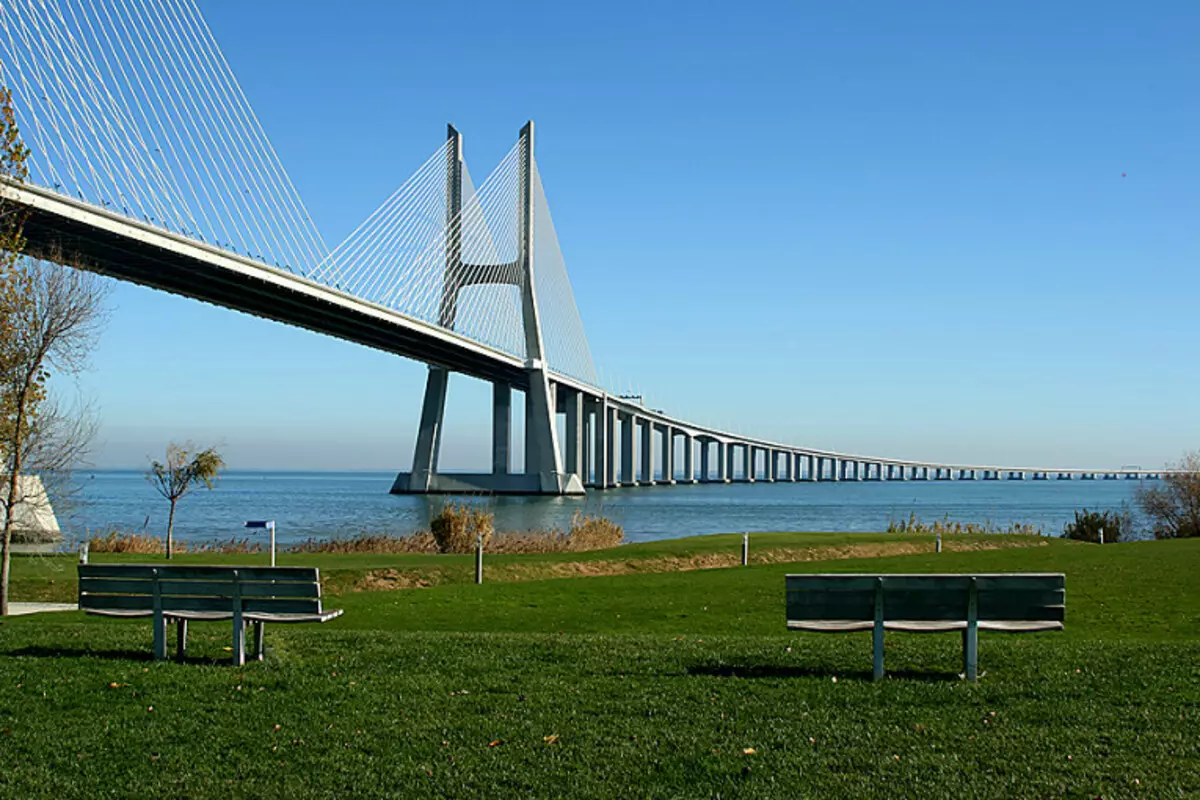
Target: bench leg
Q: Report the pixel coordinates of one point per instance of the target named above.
(971, 652)
(160, 636)
(878, 637)
(239, 640)
(181, 639)
(258, 640)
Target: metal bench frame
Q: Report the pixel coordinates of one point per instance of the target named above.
(179, 594)
(927, 603)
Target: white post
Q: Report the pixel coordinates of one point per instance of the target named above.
(271, 527)
(1102, 536)
(745, 548)
(939, 541)
(83, 552)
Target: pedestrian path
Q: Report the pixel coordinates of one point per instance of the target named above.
(18, 609)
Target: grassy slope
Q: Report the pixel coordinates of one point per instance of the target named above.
(654, 684)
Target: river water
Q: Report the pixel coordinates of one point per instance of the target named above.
(324, 504)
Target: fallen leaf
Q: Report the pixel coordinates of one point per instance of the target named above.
(495, 742)
(551, 739)
(749, 751)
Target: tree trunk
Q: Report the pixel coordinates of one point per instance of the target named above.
(171, 528)
(6, 546)
(5, 560)
(10, 506)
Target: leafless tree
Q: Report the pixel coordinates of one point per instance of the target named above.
(1173, 507)
(50, 318)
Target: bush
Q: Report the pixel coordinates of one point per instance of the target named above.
(589, 532)
(458, 525)
(1088, 525)
(123, 542)
(1173, 507)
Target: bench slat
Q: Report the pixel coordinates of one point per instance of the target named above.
(206, 588)
(198, 572)
(1020, 583)
(826, 583)
(115, 586)
(249, 589)
(266, 605)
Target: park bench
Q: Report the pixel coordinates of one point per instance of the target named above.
(180, 594)
(1012, 602)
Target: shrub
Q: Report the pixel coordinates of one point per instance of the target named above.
(124, 542)
(593, 532)
(1173, 507)
(458, 525)
(1088, 525)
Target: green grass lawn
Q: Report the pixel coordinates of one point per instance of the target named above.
(639, 685)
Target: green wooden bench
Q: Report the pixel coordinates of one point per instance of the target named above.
(1012, 602)
(180, 594)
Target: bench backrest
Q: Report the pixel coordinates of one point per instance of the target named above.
(155, 587)
(1008, 597)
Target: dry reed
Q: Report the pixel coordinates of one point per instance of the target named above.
(944, 527)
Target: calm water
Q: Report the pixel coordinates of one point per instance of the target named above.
(309, 504)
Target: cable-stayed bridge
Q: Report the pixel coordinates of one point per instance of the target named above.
(148, 164)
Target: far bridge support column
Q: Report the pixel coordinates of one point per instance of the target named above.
(689, 456)
(501, 428)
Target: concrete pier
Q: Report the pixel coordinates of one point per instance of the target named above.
(689, 454)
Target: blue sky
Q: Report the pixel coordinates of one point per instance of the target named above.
(899, 229)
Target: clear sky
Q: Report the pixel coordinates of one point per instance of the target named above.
(946, 231)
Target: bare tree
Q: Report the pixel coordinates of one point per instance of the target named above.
(1173, 507)
(183, 470)
(50, 316)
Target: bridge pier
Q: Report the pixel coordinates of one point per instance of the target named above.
(611, 423)
(647, 453)
(689, 455)
(627, 448)
(572, 402)
(668, 458)
(501, 428)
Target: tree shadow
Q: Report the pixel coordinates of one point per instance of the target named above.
(107, 655)
(780, 671)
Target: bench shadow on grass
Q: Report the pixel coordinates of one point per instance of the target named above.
(777, 671)
(108, 655)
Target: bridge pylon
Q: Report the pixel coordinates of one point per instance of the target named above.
(543, 473)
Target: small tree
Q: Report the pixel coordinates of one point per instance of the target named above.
(1173, 507)
(183, 470)
(50, 316)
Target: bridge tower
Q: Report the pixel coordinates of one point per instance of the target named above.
(543, 460)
